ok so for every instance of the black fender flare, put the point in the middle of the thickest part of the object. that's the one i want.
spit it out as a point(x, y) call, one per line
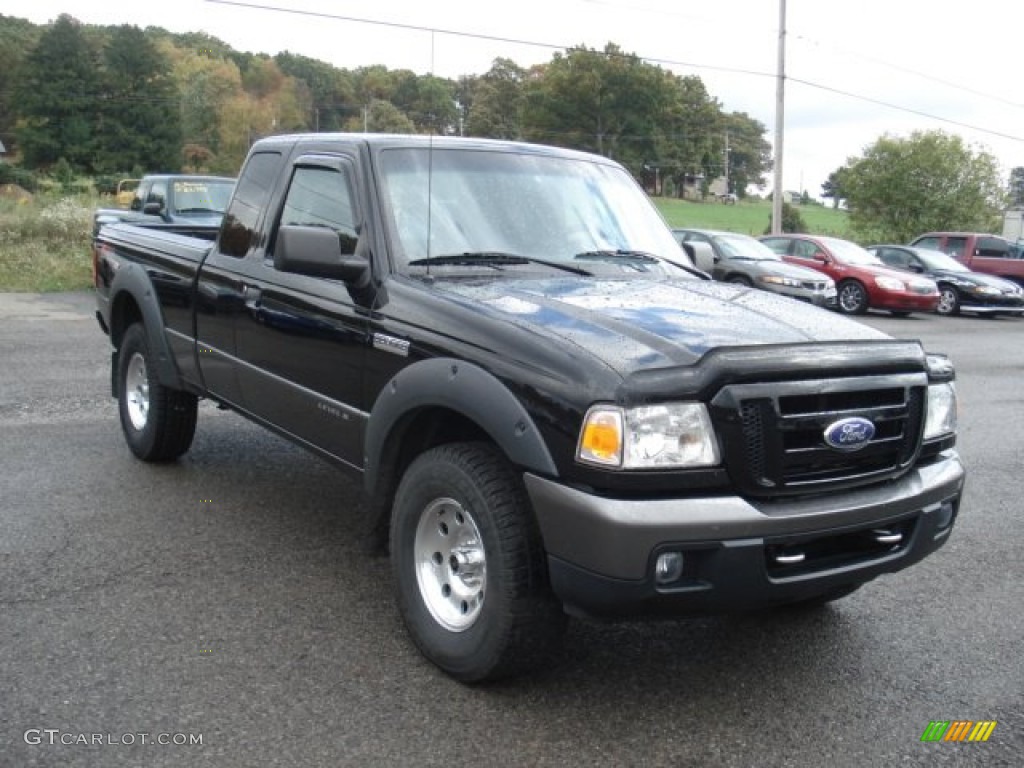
point(133, 280)
point(466, 389)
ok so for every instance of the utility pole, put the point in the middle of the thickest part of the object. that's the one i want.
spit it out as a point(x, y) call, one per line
point(780, 122)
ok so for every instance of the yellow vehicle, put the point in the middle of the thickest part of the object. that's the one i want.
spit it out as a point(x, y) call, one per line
point(126, 191)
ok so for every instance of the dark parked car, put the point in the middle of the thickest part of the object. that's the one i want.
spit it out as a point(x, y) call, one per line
point(736, 258)
point(862, 280)
point(960, 288)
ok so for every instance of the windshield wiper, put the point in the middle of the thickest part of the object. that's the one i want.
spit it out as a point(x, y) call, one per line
point(620, 254)
point(494, 259)
point(638, 257)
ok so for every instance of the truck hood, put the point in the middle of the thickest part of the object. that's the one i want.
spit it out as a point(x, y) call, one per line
point(641, 323)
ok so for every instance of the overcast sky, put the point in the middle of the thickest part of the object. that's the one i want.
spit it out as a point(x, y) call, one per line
point(932, 65)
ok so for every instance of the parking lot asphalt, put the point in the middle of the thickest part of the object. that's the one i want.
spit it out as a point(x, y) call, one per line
point(228, 597)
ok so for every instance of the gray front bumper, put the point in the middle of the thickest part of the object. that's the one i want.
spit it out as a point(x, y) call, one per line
point(602, 551)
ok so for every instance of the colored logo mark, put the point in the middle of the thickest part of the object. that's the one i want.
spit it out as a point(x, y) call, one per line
point(958, 730)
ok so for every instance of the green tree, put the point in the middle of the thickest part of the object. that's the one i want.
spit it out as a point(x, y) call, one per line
point(56, 95)
point(749, 155)
point(139, 120)
point(331, 92)
point(1016, 189)
point(689, 132)
point(497, 99)
point(792, 221)
point(17, 38)
point(382, 117)
point(607, 102)
point(835, 186)
point(902, 187)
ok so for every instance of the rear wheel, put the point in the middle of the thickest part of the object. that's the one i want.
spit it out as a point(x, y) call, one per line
point(852, 298)
point(158, 422)
point(949, 301)
point(469, 567)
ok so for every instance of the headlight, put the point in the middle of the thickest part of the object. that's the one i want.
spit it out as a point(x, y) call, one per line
point(779, 280)
point(941, 418)
point(890, 284)
point(672, 435)
point(985, 290)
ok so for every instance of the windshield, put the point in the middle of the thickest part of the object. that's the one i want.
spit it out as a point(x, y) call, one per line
point(446, 202)
point(203, 196)
point(851, 253)
point(940, 260)
point(743, 247)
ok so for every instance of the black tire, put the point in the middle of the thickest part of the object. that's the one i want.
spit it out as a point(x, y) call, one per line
point(479, 607)
point(949, 301)
point(740, 280)
point(158, 422)
point(852, 298)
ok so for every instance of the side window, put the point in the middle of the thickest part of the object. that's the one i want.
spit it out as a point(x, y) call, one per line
point(321, 197)
point(140, 195)
point(779, 245)
point(955, 246)
point(894, 258)
point(993, 246)
point(805, 249)
point(157, 193)
point(932, 243)
point(252, 192)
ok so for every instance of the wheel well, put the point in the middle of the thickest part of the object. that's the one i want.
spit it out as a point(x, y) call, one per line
point(416, 432)
point(124, 313)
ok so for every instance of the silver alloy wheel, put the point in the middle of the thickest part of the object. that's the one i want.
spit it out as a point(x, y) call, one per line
point(947, 301)
point(851, 297)
point(136, 386)
point(451, 567)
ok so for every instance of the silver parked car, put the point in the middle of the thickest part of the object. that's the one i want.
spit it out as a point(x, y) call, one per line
point(736, 258)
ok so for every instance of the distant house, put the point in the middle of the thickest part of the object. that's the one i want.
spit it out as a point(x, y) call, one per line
point(3, 151)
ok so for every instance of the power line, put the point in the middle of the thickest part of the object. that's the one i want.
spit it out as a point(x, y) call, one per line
point(909, 110)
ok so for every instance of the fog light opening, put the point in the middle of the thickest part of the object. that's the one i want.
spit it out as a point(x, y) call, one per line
point(668, 568)
point(945, 516)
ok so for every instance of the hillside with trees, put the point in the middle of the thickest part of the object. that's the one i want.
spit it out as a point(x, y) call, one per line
point(103, 100)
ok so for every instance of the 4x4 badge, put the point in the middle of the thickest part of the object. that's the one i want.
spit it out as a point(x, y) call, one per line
point(849, 434)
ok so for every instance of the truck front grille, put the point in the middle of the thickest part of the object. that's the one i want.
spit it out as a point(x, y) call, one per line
point(774, 435)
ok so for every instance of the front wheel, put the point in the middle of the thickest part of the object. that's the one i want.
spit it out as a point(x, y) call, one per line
point(741, 280)
point(469, 567)
point(853, 298)
point(949, 301)
point(158, 422)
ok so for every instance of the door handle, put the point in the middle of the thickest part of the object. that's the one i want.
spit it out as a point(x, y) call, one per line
point(251, 296)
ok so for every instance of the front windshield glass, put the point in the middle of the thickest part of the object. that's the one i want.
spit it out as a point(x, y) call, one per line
point(743, 247)
point(444, 202)
point(202, 196)
point(851, 253)
point(940, 260)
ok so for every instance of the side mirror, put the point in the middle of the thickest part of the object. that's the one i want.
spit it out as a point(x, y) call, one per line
point(153, 209)
point(318, 252)
point(915, 267)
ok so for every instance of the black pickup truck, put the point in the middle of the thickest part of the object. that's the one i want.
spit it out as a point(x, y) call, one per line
point(551, 412)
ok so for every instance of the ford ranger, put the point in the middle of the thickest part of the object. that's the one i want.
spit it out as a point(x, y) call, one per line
point(549, 413)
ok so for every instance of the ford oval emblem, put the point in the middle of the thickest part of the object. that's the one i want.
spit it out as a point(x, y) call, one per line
point(849, 434)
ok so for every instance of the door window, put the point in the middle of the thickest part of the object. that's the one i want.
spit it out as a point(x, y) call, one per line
point(993, 247)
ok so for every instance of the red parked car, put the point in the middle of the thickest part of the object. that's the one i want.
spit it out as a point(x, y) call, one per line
point(862, 280)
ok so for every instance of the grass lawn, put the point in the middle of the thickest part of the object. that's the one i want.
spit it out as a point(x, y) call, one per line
point(750, 218)
point(44, 244)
